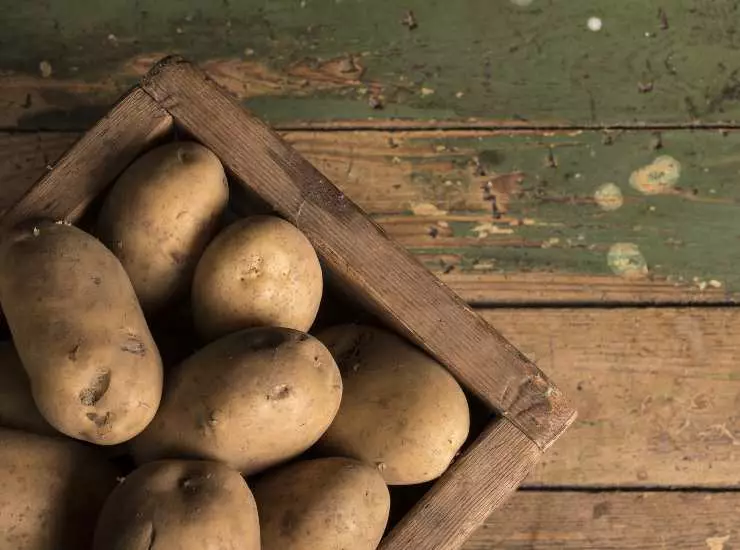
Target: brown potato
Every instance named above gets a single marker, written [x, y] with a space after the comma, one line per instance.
[401, 410]
[327, 504]
[17, 408]
[260, 271]
[251, 400]
[180, 504]
[95, 371]
[52, 492]
[160, 215]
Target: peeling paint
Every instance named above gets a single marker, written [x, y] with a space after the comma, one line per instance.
[609, 197]
[485, 229]
[426, 209]
[660, 176]
[626, 260]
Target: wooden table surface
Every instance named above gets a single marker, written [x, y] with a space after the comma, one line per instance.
[570, 167]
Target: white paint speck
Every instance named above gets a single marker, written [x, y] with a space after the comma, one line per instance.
[248, 52]
[522, 2]
[426, 91]
[458, 95]
[594, 24]
[45, 69]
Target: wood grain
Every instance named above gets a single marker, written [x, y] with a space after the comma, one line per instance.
[359, 253]
[93, 162]
[548, 239]
[476, 484]
[511, 62]
[656, 390]
[533, 520]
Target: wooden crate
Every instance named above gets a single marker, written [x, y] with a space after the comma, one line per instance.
[529, 412]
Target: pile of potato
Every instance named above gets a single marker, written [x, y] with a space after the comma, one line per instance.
[319, 425]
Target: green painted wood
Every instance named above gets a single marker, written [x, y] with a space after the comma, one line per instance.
[524, 62]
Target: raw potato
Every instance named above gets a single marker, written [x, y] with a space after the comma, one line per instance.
[260, 271]
[17, 408]
[180, 504]
[160, 215]
[95, 371]
[52, 492]
[251, 399]
[401, 410]
[327, 504]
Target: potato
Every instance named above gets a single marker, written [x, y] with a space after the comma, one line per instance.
[95, 371]
[180, 504]
[17, 408]
[251, 399]
[52, 492]
[160, 215]
[401, 410]
[260, 271]
[327, 504]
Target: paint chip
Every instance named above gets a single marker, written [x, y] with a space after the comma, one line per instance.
[609, 197]
[626, 260]
[45, 69]
[426, 209]
[660, 176]
[426, 91]
[594, 24]
[483, 230]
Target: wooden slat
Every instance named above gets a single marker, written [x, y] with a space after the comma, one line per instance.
[360, 254]
[535, 520]
[656, 390]
[94, 161]
[475, 485]
[559, 252]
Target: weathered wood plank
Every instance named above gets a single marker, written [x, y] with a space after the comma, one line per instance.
[533, 520]
[656, 391]
[549, 236]
[359, 254]
[527, 62]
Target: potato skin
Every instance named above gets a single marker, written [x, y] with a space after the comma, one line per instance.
[17, 408]
[328, 503]
[160, 215]
[52, 491]
[251, 400]
[260, 271]
[94, 368]
[401, 410]
[182, 504]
